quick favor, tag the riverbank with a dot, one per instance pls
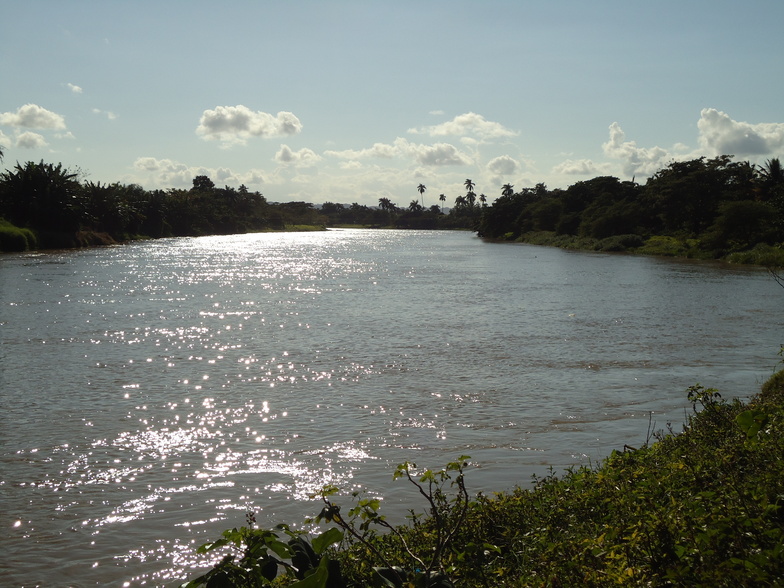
(14, 239)
(697, 507)
(761, 254)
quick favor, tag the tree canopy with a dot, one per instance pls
(716, 205)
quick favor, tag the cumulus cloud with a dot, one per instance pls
(577, 167)
(636, 160)
(438, 154)
(167, 173)
(74, 88)
(503, 166)
(303, 158)
(32, 116)
(350, 165)
(236, 124)
(469, 123)
(721, 135)
(378, 150)
(30, 140)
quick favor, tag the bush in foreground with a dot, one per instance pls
(703, 507)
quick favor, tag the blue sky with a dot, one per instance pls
(352, 101)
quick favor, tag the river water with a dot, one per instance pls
(152, 393)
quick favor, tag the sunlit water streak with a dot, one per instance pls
(154, 392)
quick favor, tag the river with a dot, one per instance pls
(153, 393)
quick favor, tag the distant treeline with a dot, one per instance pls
(43, 205)
(707, 208)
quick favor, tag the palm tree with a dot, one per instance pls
(421, 188)
(507, 190)
(42, 196)
(772, 171)
(384, 204)
(483, 200)
(469, 185)
(442, 198)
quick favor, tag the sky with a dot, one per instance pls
(356, 100)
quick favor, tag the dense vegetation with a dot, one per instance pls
(705, 208)
(43, 205)
(704, 507)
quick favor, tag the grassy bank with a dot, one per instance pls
(699, 507)
(14, 239)
(761, 254)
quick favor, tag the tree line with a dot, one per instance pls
(702, 207)
(45, 205)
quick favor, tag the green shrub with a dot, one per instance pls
(761, 254)
(619, 243)
(13, 238)
(663, 245)
(701, 508)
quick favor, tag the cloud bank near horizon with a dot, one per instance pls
(488, 146)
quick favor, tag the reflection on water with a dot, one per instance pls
(154, 392)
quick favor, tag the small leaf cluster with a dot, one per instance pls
(270, 555)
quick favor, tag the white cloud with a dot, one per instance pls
(74, 88)
(578, 167)
(378, 150)
(256, 177)
(721, 135)
(636, 160)
(503, 166)
(30, 140)
(349, 165)
(236, 124)
(169, 174)
(108, 113)
(148, 164)
(166, 173)
(438, 154)
(34, 117)
(469, 123)
(303, 158)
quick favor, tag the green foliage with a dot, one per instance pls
(765, 255)
(13, 238)
(664, 245)
(396, 556)
(50, 201)
(40, 196)
(267, 556)
(619, 243)
(703, 208)
(701, 508)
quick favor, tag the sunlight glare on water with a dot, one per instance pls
(155, 392)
